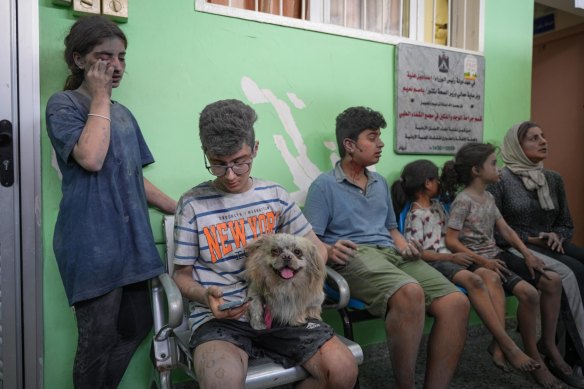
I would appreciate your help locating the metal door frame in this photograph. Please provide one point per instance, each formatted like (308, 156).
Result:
(24, 368)
(30, 190)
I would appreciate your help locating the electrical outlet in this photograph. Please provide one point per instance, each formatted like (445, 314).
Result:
(86, 7)
(115, 9)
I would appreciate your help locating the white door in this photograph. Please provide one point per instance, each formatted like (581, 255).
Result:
(20, 267)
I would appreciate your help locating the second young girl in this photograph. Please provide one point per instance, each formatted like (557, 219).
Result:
(426, 224)
(471, 224)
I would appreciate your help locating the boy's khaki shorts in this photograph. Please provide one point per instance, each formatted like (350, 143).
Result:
(375, 273)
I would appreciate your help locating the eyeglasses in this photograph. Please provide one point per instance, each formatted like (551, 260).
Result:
(221, 170)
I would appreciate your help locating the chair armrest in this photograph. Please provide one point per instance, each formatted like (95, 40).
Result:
(169, 309)
(339, 283)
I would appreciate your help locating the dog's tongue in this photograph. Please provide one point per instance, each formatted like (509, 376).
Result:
(286, 273)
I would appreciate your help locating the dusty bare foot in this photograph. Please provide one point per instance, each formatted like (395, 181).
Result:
(498, 357)
(545, 378)
(558, 367)
(519, 360)
(553, 355)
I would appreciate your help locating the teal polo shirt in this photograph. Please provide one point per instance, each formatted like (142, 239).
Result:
(338, 209)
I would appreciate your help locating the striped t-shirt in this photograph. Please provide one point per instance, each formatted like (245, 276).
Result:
(212, 228)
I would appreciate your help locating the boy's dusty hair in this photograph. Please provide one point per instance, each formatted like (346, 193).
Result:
(352, 121)
(225, 126)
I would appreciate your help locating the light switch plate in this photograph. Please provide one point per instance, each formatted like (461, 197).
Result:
(115, 9)
(86, 7)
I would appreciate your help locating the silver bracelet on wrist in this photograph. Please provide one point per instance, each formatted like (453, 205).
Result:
(99, 116)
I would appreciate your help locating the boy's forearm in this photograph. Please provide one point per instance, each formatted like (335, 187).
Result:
(398, 239)
(159, 199)
(456, 246)
(513, 239)
(189, 288)
(321, 247)
(520, 246)
(433, 256)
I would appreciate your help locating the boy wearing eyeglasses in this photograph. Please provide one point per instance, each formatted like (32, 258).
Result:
(214, 222)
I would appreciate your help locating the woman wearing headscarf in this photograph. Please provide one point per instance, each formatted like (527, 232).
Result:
(533, 202)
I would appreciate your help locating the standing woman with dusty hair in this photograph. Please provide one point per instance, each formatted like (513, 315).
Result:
(533, 201)
(103, 242)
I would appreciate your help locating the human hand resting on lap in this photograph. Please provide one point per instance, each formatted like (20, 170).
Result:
(535, 264)
(412, 251)
(462, 259)
(341, 252)
(497, 266)
(552, 241)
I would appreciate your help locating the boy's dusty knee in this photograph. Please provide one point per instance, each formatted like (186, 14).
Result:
(452, 305)
(407, 295)
(460, 301)
(555, 278)
(407, 304)
(476, 282)
(344, 374)
(526, 293)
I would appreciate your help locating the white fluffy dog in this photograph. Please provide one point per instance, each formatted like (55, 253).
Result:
(285, 279)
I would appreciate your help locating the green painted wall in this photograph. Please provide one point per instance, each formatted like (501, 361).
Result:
(179, 60)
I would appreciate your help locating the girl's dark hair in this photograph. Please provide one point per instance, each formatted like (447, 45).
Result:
(523, 128)
(411, 181)
(85, 34)
(458, 172)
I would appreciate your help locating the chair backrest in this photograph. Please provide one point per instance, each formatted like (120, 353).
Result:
(446, 206)
(401, 224)
(168, 227)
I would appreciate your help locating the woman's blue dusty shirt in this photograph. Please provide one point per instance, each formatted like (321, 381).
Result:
(102, 237)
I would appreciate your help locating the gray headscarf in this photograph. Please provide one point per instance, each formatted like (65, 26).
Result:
(531, 173)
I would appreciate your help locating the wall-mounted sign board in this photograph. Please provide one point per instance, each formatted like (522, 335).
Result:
(439, 99)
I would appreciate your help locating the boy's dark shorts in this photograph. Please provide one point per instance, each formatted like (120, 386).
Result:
(288, 346)
(450, 269)
(518, 271)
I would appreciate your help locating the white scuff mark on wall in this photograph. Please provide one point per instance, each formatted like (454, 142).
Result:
(252, 91)
(303, 170)
(298, 103)
(334, 157)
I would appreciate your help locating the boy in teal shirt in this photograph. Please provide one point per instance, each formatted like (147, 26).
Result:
(350, 210)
